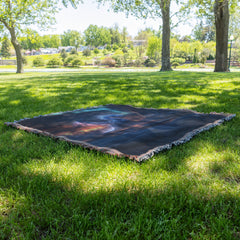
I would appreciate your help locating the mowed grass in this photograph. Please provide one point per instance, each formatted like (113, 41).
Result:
(53, 190)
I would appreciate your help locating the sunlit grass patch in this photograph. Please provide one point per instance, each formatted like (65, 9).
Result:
(52, 190)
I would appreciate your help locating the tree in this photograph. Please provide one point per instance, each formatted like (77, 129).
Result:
(15, 15)
(5, 49)
(154, 48)
(51, 41)
(205, 32)
(115, 35)
(234, 25)
(97, 36)
(124, 35)
(144, 35)
(144, 9)
(72, 38)
(221, 10)
(31, 41)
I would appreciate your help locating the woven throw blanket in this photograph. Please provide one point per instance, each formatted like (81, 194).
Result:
(122, 130)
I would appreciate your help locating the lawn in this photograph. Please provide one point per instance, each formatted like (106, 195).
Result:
(53, 190)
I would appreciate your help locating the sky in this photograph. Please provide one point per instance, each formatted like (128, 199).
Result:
(88, 13)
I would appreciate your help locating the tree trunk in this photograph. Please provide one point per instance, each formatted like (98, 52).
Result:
(17, 48)
(165, 8)
(221, 12)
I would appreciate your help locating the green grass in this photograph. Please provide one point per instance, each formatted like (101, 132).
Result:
(53, 190)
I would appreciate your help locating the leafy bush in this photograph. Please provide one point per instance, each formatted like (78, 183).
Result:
(105, 52)
(68, 60)
(24, 60)
(73, 61)
(175, 64)
(74, 51)
(54, 62)
(96, 50)
(115, 46)
(86, 52)
(125, 50)
(138, 62)
(63, 54)
(76, 62)
(178, 60)
(97, 62)
(109, 48)
(118, 52)
(38, 62)
(119, 60)
(150, 62)
(109, 61)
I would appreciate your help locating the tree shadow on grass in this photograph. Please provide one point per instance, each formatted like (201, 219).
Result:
(42, 206)
(106, 197)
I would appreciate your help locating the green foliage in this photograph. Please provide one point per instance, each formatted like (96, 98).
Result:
(115, 35)
(74, 51)
(97, 36)
(109, 47)
(17, 14)
(115, 47)
(68, 60)
(205, 33)
(150, 62)
(86, 52)
(77, 62)
(125, 50)
(5, 49)
(175, 64)
(71, 38)
(54, 190)
(51, 41)
(119, 60)
(73, 61)
(63, 54)
(24, 60)
(96, 50)
(38, 62)
(154, 48)
(138, 62)
(105, 51)
(109, 62)
(178, 60)
(54, 62)
(31, 40)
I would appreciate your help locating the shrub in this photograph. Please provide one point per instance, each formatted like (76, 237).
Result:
(118, 52)
(109, 61)
(178, 60)
(175, 64)
(119, 60)
(76, 62)
(105, 52)
(68, 60)
(96, 50)
(63, 54)
(54, 62)
(150, 62)
(109, 48)
(38, 62)
(97, 62)
(138, 62)
(24, 60)
(125, 50)
(86, 52)
(74, 51)
(115, 46)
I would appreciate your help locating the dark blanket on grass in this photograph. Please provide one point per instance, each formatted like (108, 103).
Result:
(123, 130)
